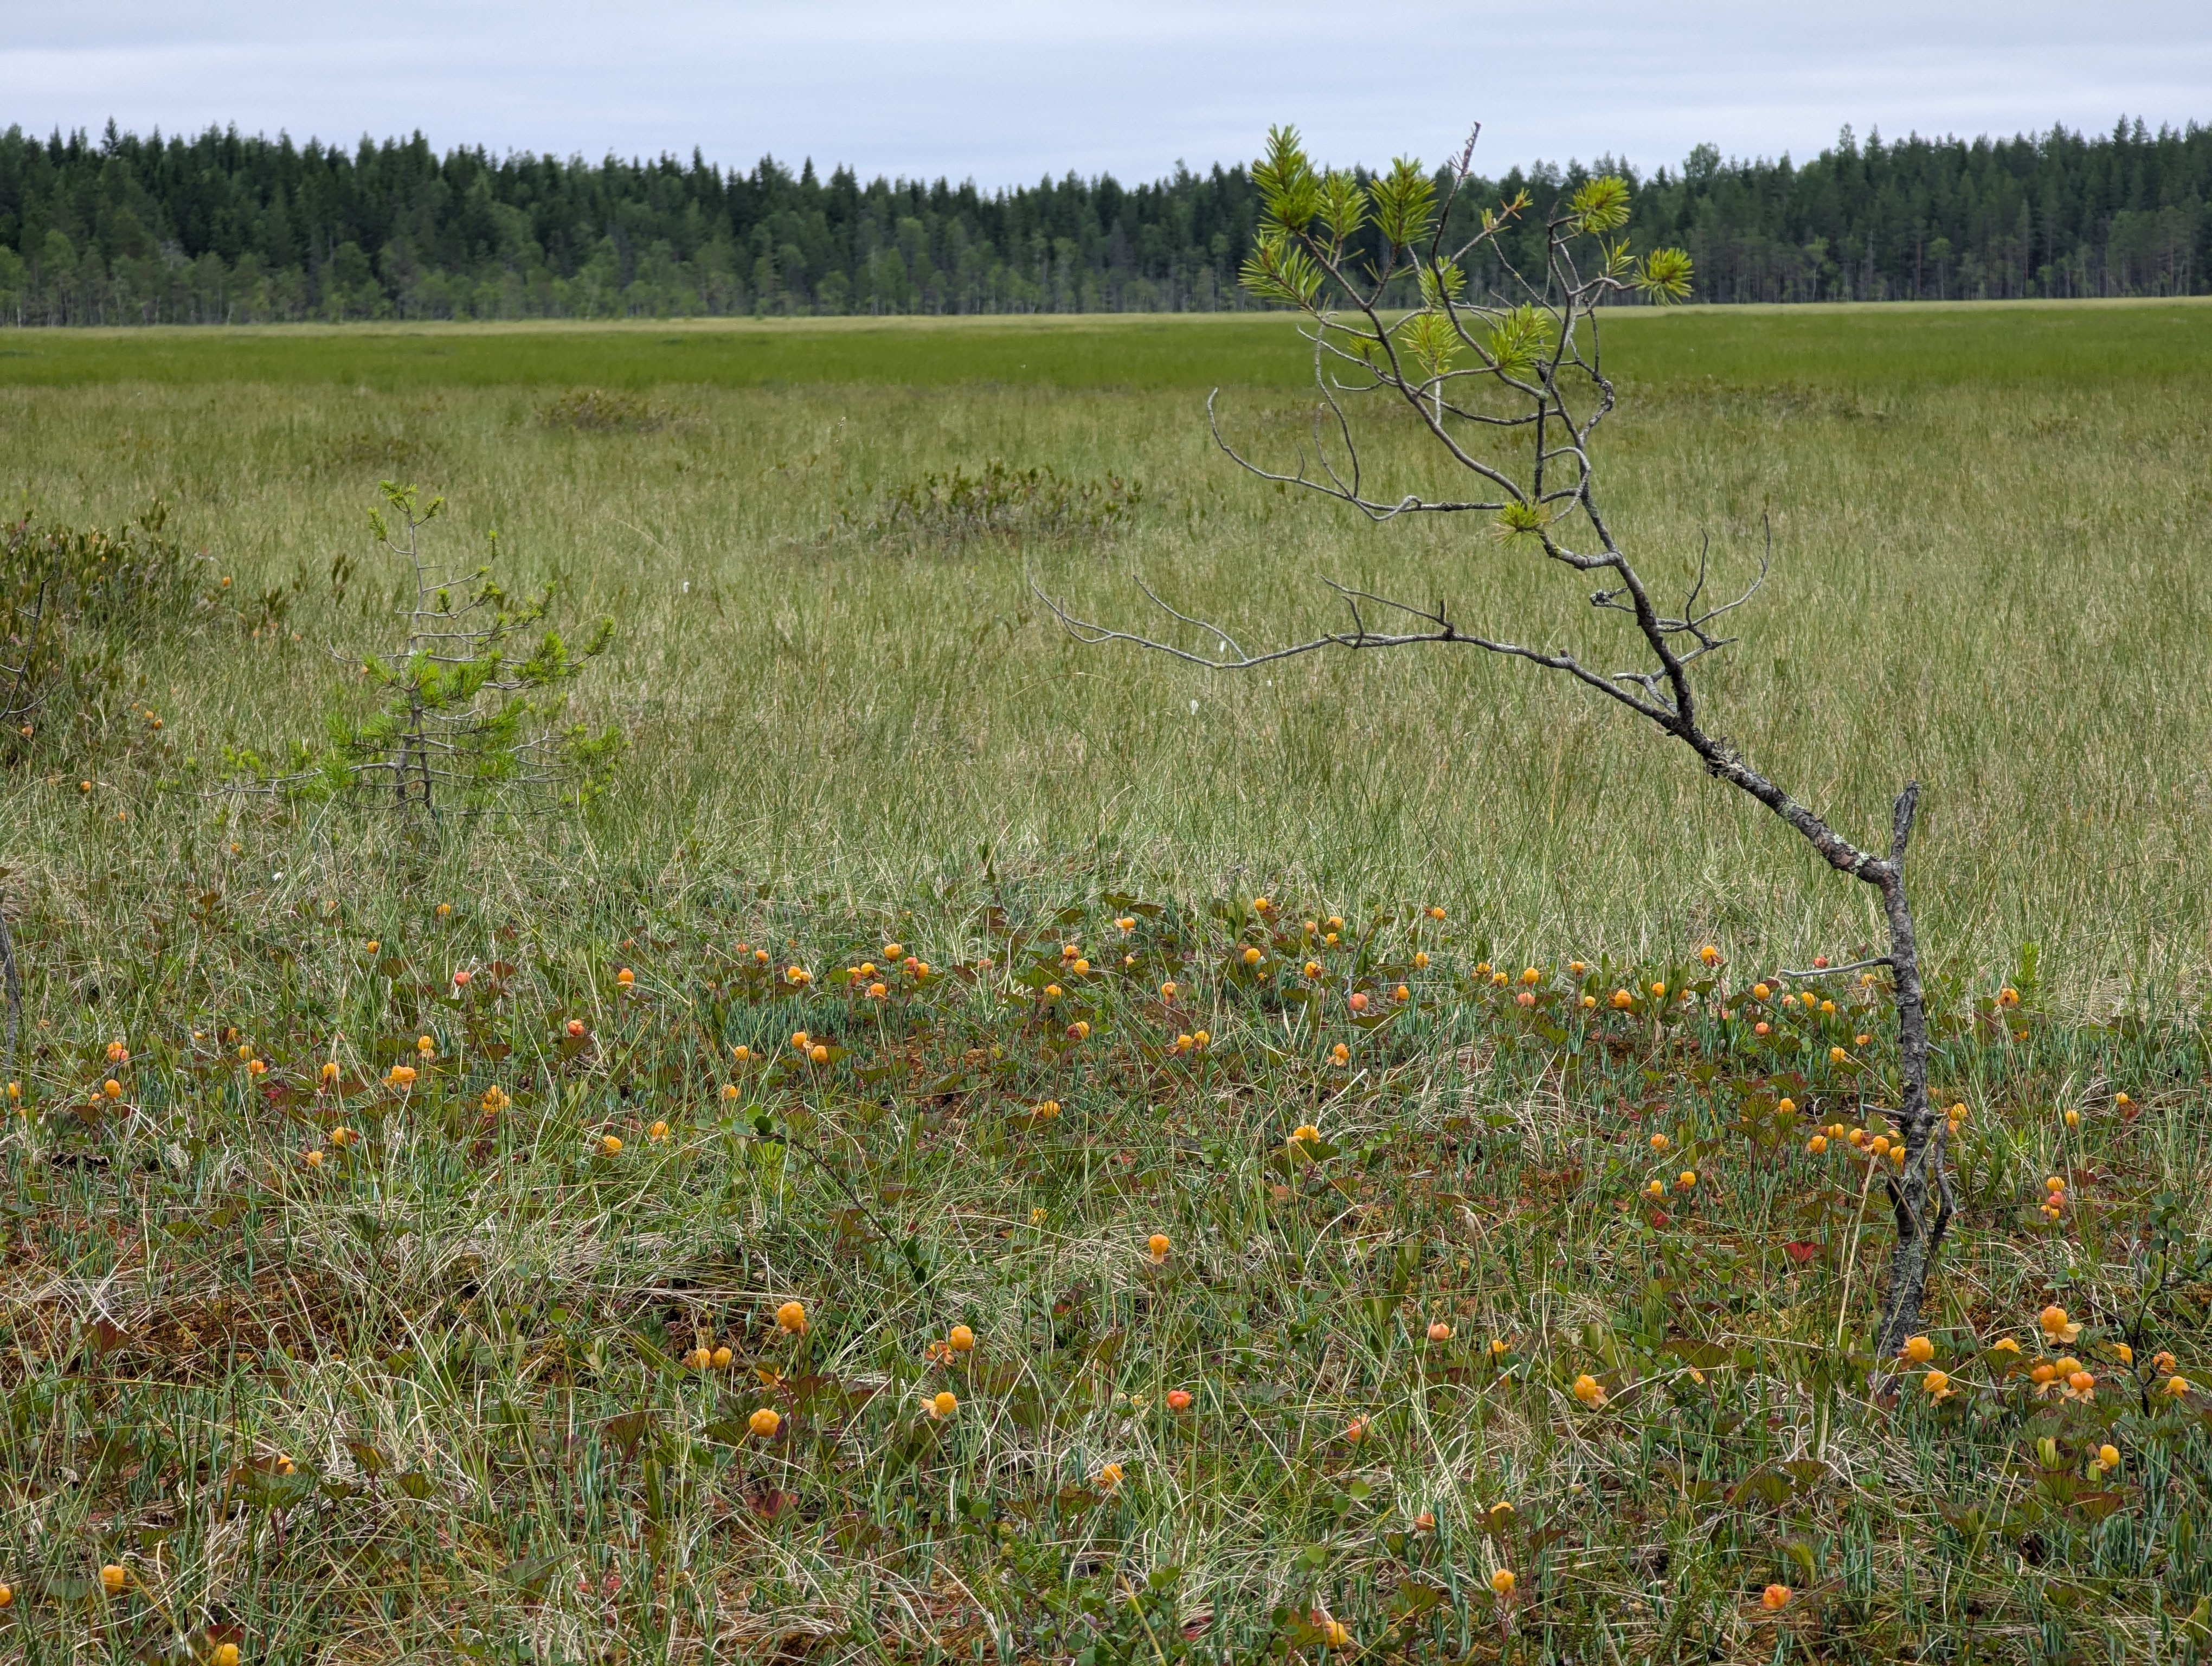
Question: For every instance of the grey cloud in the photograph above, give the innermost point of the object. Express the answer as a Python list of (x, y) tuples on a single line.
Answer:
[(1004, 93)]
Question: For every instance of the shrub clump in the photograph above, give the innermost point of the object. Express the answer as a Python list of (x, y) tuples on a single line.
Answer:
[(1002, 502), (599, 410), (73, 599)]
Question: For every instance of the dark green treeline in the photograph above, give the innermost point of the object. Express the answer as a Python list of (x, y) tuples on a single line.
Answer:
[(220, 228)]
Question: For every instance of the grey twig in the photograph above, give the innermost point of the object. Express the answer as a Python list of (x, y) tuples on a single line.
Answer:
[(14, 990), (1830, 971)]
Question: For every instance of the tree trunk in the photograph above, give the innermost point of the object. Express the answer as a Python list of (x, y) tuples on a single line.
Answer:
[(1919, 1232)]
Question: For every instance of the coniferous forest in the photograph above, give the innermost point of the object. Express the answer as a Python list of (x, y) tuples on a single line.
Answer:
[(220, 228)]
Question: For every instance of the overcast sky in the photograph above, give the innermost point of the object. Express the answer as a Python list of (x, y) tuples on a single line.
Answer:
[(1004, 93)]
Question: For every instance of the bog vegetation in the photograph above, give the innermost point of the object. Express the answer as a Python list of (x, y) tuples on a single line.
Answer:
[(968, 1149)]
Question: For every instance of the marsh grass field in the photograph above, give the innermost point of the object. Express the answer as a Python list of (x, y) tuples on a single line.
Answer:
[(424, 1391)]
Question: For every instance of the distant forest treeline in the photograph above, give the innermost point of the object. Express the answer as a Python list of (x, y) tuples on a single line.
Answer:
[(223, 229)]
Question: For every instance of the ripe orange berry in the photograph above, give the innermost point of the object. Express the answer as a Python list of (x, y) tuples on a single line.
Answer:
[(658, 1131), (792, 1316), (576, 1027), (1178, 1400), (111, 1579), (1253, 957), (1588, 1390), (610, 1144), (1340, 1054), (1919, 1349), (721, 1357), (817, 1054), (1439, 1331), (1156, 1246), (1502, 1582), (1358, 1003), (943, 1404), (1774, 1598), (960, 1339), (764, 1423)]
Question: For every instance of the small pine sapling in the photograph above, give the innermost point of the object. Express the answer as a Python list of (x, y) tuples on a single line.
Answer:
[(1508, 386), (471, 704)]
